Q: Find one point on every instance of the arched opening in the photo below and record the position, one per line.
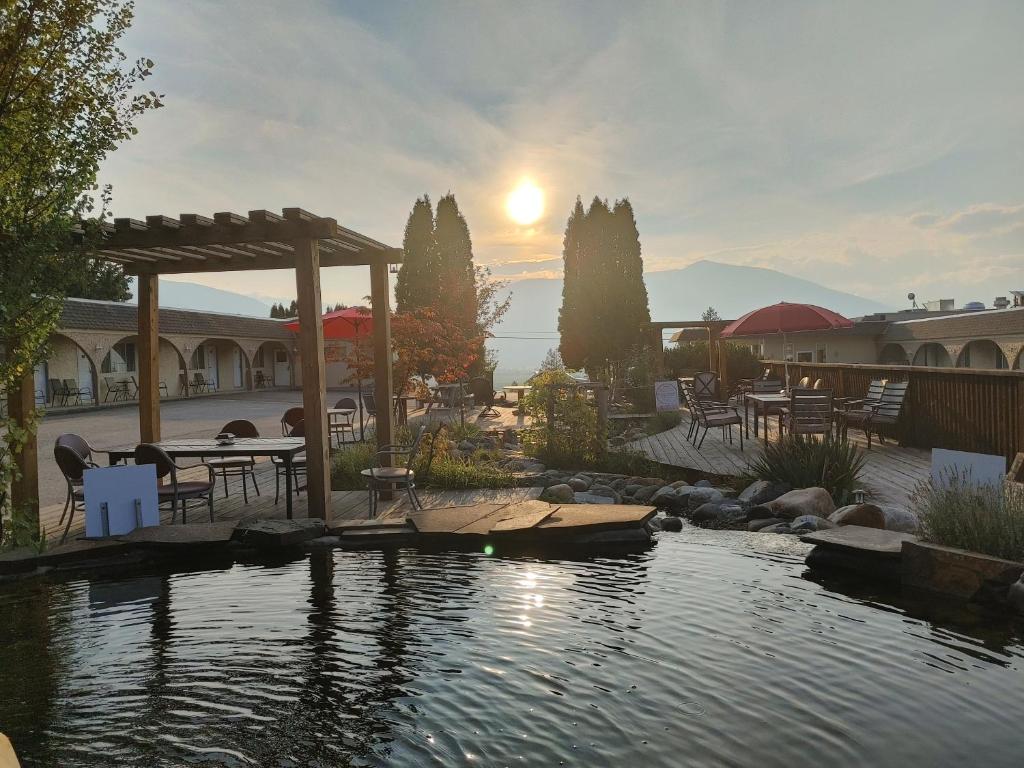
(1018, 363)
(983, 354)
(220, 364)
(932, 356)
(892, 354)
(272, 366)
(119, 370)
(67, 376)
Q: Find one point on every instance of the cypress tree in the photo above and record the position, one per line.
(632, 308)
(418, 284)
(570, 320)
(457, 275)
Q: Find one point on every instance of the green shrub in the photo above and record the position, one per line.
(802, 462)
(347, 463)
(685, 359)
(982, 518)
(455, 474)
(572, 440)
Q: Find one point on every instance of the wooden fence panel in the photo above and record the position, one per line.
(957, 408)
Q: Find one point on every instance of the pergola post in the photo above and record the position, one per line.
(149, 358)
(21, 402)
(314, 381)
(380, 301)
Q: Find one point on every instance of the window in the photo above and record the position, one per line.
(787, 352)
(257, 359)
(198, 359)
(820, 353)
(120, 359)
(805, 356)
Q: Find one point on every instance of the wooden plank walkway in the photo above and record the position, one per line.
(345, 505)
(890, 472)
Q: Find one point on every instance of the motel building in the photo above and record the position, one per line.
(935, 336)
(93, 357)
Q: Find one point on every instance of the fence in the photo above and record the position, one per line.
(957, 408)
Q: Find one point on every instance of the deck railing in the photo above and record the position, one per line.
(957, 408)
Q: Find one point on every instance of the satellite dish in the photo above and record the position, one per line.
(913, 299)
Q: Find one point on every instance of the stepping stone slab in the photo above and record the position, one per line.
(191, 535)
(376, 524)
(598, 517)
(26, 559)
(522, 517)
(280, 533)
(957, 572)
(452, 519)
(857, 539)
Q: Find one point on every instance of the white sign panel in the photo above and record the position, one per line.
(128, 496)
(981, 468)
(666, 395)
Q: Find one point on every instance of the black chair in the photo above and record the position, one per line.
(177, 490)
(370, 406)
(291, 417)
(237, 466)
(161, 387)
(57, 392)
(298, 461)
(342, 423)
(385, 478)
(73, 456)
(482, 388)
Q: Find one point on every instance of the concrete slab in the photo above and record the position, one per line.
(522, 517)
(191, 535)
(596, 517)
(279, 533)
(856, 538)
(376, 524)
(452, 519)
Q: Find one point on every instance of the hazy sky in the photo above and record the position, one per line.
(877, 148)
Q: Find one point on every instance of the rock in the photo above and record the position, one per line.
(578, 483)
(1015, 595)
(534, 466)
(956, 572)
(584, 497)
(767, 522)
(656, 482)
(323, 542)
(806, 523)
(759, 513)
(898, 519)
(654, 524)
(561, 493)
(702, 484)
(644, 494)
(805, 501)
(267, 534)
(705, 513)
(678, 484)
(631, 489)
(674, 524)
(862, 565)
(701, 494)
(778, 528)
(611, 496)
(719, 514)
(866, 515)
(661, 497)
(763, 491)
(860, 541)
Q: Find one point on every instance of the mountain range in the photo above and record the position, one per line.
(530, 328)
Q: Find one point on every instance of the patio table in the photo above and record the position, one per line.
(762, 401)
(285, 448)
(521, 390)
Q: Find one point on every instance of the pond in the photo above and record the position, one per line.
(707, 649)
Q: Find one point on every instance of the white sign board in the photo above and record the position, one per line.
(119, 499)
(666, 395)
(982, 468)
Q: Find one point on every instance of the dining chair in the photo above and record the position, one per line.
(237, 466)
(176, 490)
(342, 422)
(809, 412)
(298, 461)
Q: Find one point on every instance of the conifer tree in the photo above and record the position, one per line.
(455, 264)
(570, 315)
(418, 284)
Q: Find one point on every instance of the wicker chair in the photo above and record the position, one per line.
(290, 418)
(73, 456)
(176, 490)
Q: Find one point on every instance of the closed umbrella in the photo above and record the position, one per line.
(350, 323)
(784, 318)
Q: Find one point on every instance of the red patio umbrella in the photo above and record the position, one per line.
(784, 318)
(348, 323)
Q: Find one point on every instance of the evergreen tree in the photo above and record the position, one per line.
(570, 315)
(102, 280)
(454, 251)
(418, 284)
(710, 315)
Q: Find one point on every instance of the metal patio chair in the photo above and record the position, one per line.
(237, 466)
(809, 412)
(386, 478)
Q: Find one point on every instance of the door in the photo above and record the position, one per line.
(236, 367)
(84, 372)
(211, 366)
(42, 386)
(282, 374)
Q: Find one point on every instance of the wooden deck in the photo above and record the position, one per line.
(890, 472)
(345, 505)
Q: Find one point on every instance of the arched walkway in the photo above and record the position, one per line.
(272, 365)
(932, 356)
(69, 368)
(893, 354)
(222, 364)
(983, 354)
(119, 370)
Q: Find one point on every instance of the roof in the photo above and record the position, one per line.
(975, 325)
(163, 245)
(86, 314)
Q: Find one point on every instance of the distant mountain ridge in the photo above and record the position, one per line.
(676, 294)
(182, 295)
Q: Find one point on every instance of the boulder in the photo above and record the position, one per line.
(1015, 595)
(268, 534)
(631, 489)
(608, 493)
(578, 483)
(759, 513)
(560, 493)
(957, 572)
(671, 524)
(763, 491)
(702, 484)
(678, 484)
(866, 515)
(701, 495)
(585, 497)
(807, 523)
(767, 522)
(805, 501)
(662, 496)
(899, 519)
(777, 528)
(719, 514)
(644, 494)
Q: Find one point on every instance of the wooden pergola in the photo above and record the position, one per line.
(717, 361)
(230, 242)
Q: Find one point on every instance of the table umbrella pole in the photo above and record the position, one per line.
(359, 388)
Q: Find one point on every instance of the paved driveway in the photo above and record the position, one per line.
(194, 417)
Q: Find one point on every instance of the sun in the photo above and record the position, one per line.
(525, 203)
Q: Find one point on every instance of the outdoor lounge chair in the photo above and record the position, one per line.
(809, 412)
(73, 456)
(804, 383)
(385, 478)
(237, 466)
(57, 392)
(200, 383)
(121, 390)
(71, 389)
(298, 461)
(872, 397)
(344, 423)
(872, 416)
(161, 387)
(482, 388)
(710, 414)
(176, 490)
